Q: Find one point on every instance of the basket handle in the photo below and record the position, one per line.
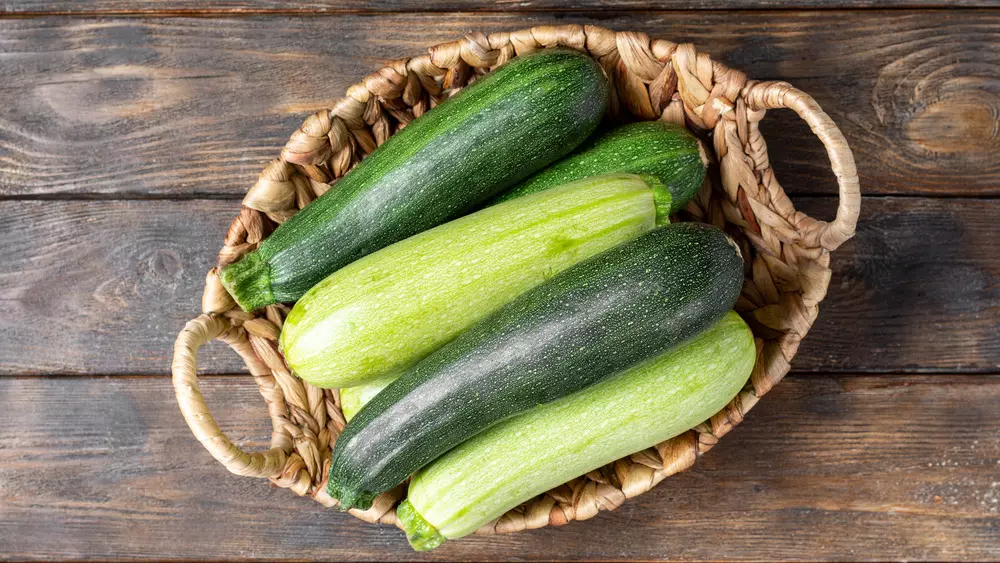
(197, 332)
(776, 95)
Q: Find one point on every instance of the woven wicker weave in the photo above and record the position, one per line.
(787, 266)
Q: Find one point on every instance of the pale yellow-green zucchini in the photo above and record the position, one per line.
(353, 398)
(390, 309)
(533, 452)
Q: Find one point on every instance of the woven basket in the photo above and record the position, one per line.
(787, 252)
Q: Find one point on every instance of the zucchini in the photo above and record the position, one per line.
(354, 397)
(598, 317)
(665, 150)
(494, 133)
(390, 309)
(540, 449)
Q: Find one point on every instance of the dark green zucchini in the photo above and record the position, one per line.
(507, 125)
(662, 149)
(596, 318)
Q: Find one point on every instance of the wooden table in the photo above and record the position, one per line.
(130, 130)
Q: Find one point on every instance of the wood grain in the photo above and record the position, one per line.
(185, 7)
(825, 468)
(195, 107)
(104, 287)
(915, 290)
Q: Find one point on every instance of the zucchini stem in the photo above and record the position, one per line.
(419, 532)
(662, 199)
(249, 282)
(348, 498)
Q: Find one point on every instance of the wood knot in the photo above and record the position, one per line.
(967, 124)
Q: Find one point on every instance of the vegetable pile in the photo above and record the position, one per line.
(501, 317)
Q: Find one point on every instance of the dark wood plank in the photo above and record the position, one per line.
(104, 287)
(916, 289)
(188, 107)
(226, 7)
(824, 468)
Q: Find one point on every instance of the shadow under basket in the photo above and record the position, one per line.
(787, 253)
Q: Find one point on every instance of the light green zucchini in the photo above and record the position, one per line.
(387, 311)
(533, 452)
(353, 398)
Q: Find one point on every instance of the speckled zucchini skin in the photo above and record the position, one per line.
(548, 445)
(499, 130)
(665, 150)
(389, 310)
(603, 315)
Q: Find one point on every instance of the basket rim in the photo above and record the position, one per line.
(788, 272)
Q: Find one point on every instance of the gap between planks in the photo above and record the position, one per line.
(893, 375)
(98, 196)
(594, 10)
